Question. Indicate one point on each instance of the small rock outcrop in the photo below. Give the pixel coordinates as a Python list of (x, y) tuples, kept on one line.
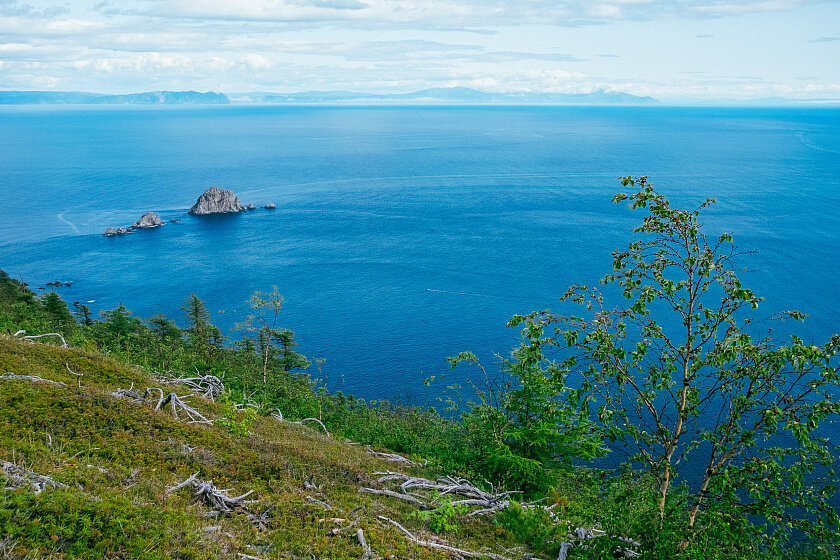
[(148, 220), (250, 207), (216, 201), (110, 232), (269, 206)]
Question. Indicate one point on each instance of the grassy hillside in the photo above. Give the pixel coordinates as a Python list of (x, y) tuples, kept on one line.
[(118, 457)]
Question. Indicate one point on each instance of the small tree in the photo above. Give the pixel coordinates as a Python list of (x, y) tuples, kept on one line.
[(680, 377), (272, 343), (205, 336), (522, 428)]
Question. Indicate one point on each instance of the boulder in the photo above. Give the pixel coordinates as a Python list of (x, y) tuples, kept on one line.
[(148, 220), (269, 206), (110, 231), (216, 201), (250, 207)]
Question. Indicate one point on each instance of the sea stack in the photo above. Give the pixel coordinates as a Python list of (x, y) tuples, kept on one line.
[(148, 220), (269, 206), (216, 201)]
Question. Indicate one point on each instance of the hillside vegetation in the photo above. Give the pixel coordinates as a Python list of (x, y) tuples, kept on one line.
[(123, 437)]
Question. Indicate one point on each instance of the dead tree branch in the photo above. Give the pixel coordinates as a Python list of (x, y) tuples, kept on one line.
[(18, 476), (393, 458), (32, 337), (13, 376), (360, 536), (78, 375), (450, 549)]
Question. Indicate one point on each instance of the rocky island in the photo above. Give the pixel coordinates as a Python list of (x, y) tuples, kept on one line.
[(148, 220), (216, 201)]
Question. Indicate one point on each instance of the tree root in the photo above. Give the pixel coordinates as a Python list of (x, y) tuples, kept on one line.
[(217, 499), (178, 403), (13, 376)]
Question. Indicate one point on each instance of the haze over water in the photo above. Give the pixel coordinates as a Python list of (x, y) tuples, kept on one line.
[(405, 235)]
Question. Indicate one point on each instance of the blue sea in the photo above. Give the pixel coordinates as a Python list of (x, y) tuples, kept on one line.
[(404, 235)]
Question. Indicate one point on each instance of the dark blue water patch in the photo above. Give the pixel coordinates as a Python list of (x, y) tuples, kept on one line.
[(405, 235)]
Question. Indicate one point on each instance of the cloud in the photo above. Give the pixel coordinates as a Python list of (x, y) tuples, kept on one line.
[(825, 40), (460, 14), (339, 4)]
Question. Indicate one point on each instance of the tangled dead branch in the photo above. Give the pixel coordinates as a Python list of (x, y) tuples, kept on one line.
[(581, 535), (209, 387), (206, 491), (473, 496), (13, 376), (21, 334), (177, 403)]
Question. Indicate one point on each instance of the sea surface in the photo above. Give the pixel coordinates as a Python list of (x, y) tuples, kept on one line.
[(405, 235)]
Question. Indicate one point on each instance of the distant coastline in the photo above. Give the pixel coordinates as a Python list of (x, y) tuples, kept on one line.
[(433, 96)]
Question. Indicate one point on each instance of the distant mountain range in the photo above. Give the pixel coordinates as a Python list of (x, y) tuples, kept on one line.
[(433, 96), (452, 95), (85, 98)]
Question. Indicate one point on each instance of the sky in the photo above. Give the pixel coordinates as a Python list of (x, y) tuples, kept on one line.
[(676, 51)]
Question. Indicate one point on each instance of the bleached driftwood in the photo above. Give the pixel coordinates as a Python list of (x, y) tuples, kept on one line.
[(13, 376), (393, 458), (18, 476), (447, 548), (178, 403), (21, 334), (218, 499)]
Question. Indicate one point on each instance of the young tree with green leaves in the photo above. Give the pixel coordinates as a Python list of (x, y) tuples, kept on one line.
[(274, 344), (681, 376)]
